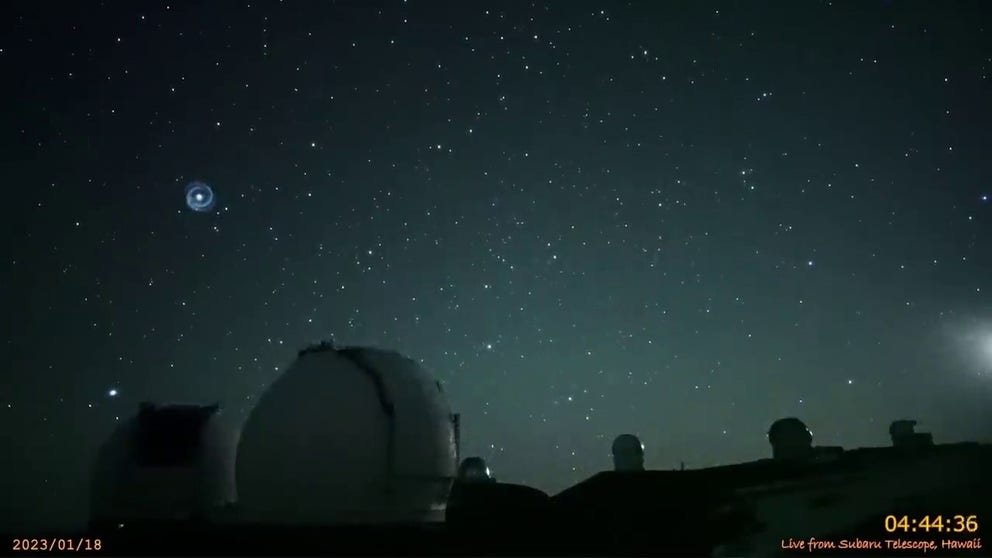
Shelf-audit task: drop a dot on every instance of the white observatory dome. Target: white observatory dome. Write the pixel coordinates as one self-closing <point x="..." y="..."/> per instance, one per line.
<point x="348" y="435"/>
<point x="166" y="463"/>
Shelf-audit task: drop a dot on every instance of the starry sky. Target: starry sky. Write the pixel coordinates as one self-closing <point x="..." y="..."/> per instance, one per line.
<point x="678" y="219"/>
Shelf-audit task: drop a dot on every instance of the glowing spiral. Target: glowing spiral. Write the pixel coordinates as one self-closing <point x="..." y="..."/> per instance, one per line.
<point x="199" y="196"/>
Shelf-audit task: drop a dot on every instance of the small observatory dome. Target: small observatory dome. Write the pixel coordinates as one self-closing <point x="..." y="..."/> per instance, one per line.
<point x="628" y="453"/>
<point x="347" y="435"/>
<point x="474" y="469"/>
<point x="790" y="439"/>
<point x="167" y="463"/>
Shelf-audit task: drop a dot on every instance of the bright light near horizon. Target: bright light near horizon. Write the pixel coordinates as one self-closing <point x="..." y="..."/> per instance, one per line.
<point x="967" y="347"/>
<point x="975" y="347"/>
<point x="987" y="348"/>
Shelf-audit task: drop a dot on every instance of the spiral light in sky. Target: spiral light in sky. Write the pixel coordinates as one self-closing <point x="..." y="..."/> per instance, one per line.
<point x="199" y="196"/>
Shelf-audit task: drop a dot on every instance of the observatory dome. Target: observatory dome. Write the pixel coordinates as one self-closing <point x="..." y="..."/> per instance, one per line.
<point x="628" y="453"/>
<point x="166" y="463"/>
<point x="347" y="435"/>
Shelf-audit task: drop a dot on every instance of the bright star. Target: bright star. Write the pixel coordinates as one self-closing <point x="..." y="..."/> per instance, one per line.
<point x="112" y="392"/>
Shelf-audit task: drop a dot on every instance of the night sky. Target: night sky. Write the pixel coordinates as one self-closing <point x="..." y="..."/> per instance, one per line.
<point x="677" y="219"/>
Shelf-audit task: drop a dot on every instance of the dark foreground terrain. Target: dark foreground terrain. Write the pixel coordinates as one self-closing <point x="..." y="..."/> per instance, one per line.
<point x="431" y="540"/>
<point x="860" y="498"/>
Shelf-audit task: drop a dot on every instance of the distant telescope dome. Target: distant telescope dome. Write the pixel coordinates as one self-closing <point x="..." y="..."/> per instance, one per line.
<point x="347" y="435"/>
<point x="902" y="428"/>
<point x="474" y="469"/>
<point x="904" y="435"/>
<point x="167" y="463"/>
<point x="790" y="439"/>
<point x="628" y="453"/>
